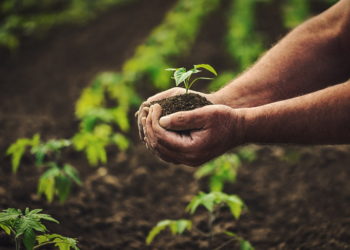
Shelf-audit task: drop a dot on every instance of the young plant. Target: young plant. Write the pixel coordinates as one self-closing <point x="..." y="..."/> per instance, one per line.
<point x="176" y="227"/>
<point x="25" y="226"/>
<point x="58" y="177"/>
<point x="224" y="168"/>
<point x="99" y="122"/>
<point x="213" y="202"/>
<point x="181" y="75"/>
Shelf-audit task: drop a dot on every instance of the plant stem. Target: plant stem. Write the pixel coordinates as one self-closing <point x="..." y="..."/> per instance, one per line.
<point x="212" y="218"/>
<point x="49" y="242"/>
<point x="225" y="243"/>
<point x="18" y="246"/>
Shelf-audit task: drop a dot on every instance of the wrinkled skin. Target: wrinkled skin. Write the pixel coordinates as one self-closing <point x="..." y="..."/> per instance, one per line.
<point x="144" y="107"/>
<point x="192" y="137"/>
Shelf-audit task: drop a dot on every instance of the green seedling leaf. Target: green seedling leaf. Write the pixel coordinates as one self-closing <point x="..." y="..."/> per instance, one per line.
<point x="51" y="147"/>
<point x="215" y="199"/>
<point x="207" y="67"/>
<point x="245" y="245"/>
<point x="183" y="76"/>
<point x="5" y="228"/>
<point x="94" y="144"/>
<point x="231" y="234"/>
<point x="121" y="141"/>
<point x="47" y="183"/>
<point x="178" y="74"/>
<point x="176" y="227"/>
<point x="72" y="173"/>
<point x="29" y="239"/>
<point x="24" y="225"/>
<point x="17" y="150"/>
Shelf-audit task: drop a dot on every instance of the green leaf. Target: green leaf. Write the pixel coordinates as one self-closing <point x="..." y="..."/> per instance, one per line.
<point x="5" y="228"/>
<point x="245" y="245"/>
<point x="184" y="77"/>
<point x="207" y="67"/>
<point x="176" y="227"/>
<point x="47" y="184"/>
<point x="213" y="199"/>
<point x="29" y="239"/>
<point x="63" y="243"/>
<point x="63" y="186"/>
<point x="156" y="230"/>
<point x="178" y="74"/>
<point x="121" y="141"/>
<point x="72" y="173"/>
<point x="9" y="215"/>
<point x="17" y="150"/>
<point x="231" y="234"/>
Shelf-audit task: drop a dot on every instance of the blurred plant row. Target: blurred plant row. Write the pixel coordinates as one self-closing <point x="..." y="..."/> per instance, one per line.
<point x="20" y="18"/>
<point x="105" y="107"/>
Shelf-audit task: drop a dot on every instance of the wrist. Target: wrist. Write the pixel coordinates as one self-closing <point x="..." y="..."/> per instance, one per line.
<point x="239" y="125"/>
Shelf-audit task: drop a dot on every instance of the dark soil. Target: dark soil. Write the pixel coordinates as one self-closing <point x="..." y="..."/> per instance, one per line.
<point x="183" y="102"/>
<point x="297" y="197"/>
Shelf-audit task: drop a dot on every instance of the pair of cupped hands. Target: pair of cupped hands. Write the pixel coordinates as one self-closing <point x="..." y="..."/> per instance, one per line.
<point x="189" y="137"/>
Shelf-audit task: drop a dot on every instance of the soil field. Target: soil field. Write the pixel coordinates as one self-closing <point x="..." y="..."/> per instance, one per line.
<point x="297" y="197"/>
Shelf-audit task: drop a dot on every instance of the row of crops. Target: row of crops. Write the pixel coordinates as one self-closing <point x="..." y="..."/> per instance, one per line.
<point x="105" y="107"/>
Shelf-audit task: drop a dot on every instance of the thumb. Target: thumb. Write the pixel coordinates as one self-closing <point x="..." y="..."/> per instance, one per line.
<point x="183" y="120"/>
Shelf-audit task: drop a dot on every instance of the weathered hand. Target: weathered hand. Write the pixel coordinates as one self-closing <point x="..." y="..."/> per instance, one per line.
<point x="141" y="114"/>
<point x="193" y="137"/>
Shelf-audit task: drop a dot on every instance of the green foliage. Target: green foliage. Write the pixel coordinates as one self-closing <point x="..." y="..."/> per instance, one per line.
<point x="18" y="148"/>
<point x="213" y="200"/>
<point x="224" y="168"/>
<point x="94" y="143"/>
<point x="25" y="225"/>
<point x="244" y="43"/>
<point x="27" y="17"/>
<point x="96" y="127"/>
<point x="176" y="227"/>
<point x="295" y="12"/>
<point x="50" y="148"/>
<point x="173" y="37"/>
<point x="59" y="241"/>
<point x="181" y="75"/>
<point x="58" y="177"/>
<point x="58" y="180"/>
<point x="243" y="244"/>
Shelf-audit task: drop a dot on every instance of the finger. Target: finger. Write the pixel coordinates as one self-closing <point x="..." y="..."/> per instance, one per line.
<point x="184" y="120"/>
<point x="151" y="139"/>
<point x="165" y="94"/>
<point x="142" y="115"/>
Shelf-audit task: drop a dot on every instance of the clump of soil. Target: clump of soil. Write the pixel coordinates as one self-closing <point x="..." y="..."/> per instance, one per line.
<point x="182" y="102"/>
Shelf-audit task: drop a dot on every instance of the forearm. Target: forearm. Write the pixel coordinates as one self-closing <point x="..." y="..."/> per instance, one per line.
<point x="311" y="57"/>
<point x="322" y="117"/>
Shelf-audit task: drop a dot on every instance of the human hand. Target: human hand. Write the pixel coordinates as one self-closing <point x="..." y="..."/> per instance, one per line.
<point x="193" y="137"/>
<point x="141" y="114"/>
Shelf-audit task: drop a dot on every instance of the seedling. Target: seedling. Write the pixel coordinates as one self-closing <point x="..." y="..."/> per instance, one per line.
<point x="183" y="76"/>
<point x="27" y="228"/>
<point x="59" y="177"/>
<point x="224" y="168"/>
<point x="176" y="227"/>
<point x="213" y="202"/>
<point x="94" y="142"/>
